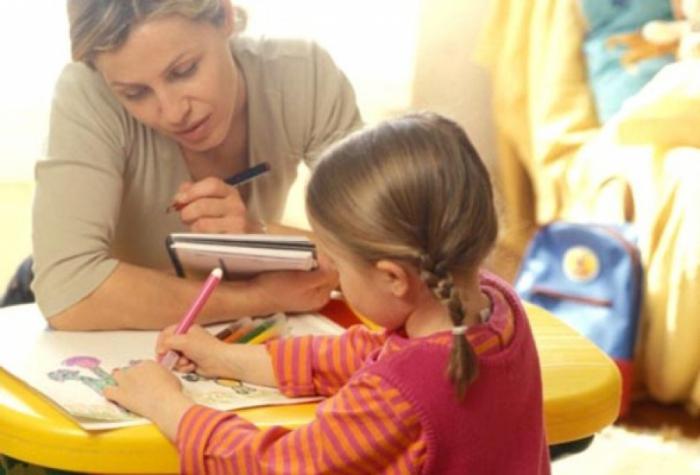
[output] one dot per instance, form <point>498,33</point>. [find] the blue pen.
<point>247,175</point>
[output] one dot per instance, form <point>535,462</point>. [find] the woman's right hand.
<point>212,206</point>
<point>201,351</point>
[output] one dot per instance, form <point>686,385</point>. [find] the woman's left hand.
<point>212,206</point>
<point>295,291</point>
<point>151,390</point>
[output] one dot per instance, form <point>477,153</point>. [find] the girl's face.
<point>178,77</point>
<point>368,290</point>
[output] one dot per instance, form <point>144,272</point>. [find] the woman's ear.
<point>229,12</point>
<point>395,276</point>
<point>677,8</point>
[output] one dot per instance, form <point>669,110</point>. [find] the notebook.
<point>239,255</point>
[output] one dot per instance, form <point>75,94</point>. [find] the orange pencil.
<point>240,332</point>
<point>226,332</point>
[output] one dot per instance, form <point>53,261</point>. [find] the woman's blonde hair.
<point>104,25</point>
<point>411,189</point>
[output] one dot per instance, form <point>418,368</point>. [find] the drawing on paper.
<point>90,372</point>
<point>89,363</point>
<point>73,368</point>
<point>97,378</point>
<point>239,387</point>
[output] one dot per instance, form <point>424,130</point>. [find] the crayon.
<point>257,330</point>
<point>268,333</point>
<point>240,332</point>
<point>229,330</point>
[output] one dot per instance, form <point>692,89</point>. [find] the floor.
<point>654,439</point>
<point>652,415</point>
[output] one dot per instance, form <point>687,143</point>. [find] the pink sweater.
<point>391,409</point>
<point>498,428</point>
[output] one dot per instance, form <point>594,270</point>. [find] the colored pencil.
<point>170,358</point>
<point>268,333</point>
<point>230,329</point>
<point>264,325</point>
<point>240,332</point>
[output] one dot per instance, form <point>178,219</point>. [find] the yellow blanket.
<point>643,166</point>
<point>543,108</point>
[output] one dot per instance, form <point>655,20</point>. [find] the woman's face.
<point>177,76</point>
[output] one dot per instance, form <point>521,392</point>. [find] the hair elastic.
<point>485,314</point>
<point>459,330</point>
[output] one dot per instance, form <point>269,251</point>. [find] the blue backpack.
<point>589,276</point>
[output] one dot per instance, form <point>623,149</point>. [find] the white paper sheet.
<point>70,368</point>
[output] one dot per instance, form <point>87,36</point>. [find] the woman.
<point>160,105</point>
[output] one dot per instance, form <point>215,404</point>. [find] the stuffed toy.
<point>683,33</point>
<point>619,61</point>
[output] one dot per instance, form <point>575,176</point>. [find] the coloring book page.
<point>72,368</point>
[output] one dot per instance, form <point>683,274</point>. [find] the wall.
<point>34,48</point>
<point>373,41</point>
<point>15,215</point>
<point>447,79</point>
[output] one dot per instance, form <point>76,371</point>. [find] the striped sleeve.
<point>367,427</point>
<point>320,365</point>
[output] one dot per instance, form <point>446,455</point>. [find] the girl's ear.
<point>395,276</point>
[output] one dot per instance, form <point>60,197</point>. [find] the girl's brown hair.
<point>104,25</point>
<point>411,189</point>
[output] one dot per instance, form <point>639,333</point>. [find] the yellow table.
<point>581,396</point>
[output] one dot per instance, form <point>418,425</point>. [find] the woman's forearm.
<point>138,298</point>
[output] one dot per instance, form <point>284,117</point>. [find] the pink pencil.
<point>170,358</point>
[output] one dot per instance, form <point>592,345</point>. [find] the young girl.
<point>452,385</point>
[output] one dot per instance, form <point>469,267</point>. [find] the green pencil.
<point>257,330</point>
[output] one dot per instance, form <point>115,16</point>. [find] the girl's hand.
<point>296,291</point>
<point>152,391</point>
<point>212,206</point>
<point>201,351</point>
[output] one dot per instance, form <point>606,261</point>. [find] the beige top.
<point>103,189</point>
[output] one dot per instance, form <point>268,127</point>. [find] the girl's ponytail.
<point>463,366</point>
